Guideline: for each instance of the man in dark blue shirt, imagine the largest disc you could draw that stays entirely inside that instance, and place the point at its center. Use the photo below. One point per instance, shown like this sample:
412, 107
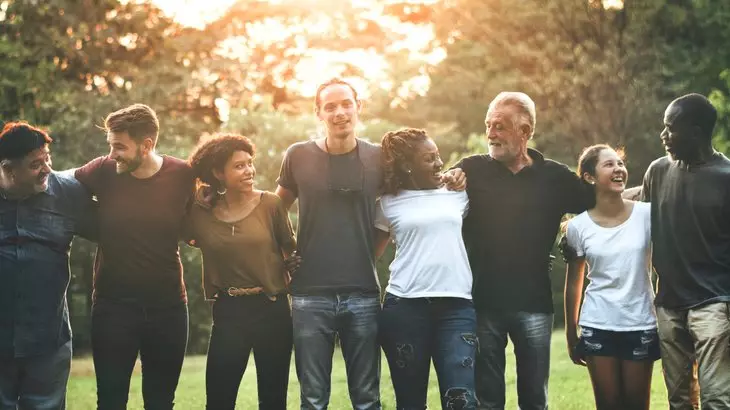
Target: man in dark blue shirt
40, 212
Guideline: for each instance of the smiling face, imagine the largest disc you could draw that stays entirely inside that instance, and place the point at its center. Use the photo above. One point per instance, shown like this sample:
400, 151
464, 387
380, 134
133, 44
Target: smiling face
238, 173
125, 151
338, 110
610, 174
29, 175
506, 133
425, 165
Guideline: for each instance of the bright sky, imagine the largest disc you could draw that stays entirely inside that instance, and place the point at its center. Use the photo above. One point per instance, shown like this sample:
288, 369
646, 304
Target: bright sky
319, 65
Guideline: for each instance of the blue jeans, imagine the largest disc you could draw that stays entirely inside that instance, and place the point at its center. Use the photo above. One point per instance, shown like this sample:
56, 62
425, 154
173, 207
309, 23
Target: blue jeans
37, 382
414, 331
353, 317
122, 330
530, 334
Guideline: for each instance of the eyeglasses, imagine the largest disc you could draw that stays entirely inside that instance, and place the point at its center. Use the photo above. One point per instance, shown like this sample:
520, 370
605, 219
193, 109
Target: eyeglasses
343, 181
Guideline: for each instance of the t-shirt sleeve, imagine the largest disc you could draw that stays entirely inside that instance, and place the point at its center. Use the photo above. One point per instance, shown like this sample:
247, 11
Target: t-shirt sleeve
187, 233
286, 174
575, 195
646, 186
464, 202
381, 222
282, 228
90, 175
85, 209
572, 235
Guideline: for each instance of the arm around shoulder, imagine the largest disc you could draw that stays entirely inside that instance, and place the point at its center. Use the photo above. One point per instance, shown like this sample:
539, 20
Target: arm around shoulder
287, 197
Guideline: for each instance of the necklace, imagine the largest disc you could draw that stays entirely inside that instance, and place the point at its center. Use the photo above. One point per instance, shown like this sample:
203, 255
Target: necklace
246, 205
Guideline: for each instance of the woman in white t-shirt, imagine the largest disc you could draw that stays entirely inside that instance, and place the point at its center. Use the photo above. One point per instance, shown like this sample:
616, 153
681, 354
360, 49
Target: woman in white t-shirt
427, 311
618, 336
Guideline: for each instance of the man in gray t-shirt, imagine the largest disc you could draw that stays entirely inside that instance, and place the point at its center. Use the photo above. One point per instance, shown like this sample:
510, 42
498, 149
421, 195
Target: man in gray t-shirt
689, 191
336, 214
335, 290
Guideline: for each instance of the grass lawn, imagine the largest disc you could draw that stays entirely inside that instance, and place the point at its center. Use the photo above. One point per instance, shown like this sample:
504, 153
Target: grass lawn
570, 387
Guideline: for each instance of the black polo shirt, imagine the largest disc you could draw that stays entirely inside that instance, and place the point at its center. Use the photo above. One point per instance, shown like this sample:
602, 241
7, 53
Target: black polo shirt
511, 228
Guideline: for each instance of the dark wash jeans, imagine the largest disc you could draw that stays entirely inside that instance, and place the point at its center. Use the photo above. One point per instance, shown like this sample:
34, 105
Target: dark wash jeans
242, 324
414, 331
119, 331
530, 334
354, 318
35, 382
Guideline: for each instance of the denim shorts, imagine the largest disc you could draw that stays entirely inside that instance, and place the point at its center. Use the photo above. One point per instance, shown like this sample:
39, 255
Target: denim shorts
634, 345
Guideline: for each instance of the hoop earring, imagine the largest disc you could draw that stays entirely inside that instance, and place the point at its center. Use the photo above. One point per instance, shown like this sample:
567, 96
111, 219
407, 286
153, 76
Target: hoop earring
219, 192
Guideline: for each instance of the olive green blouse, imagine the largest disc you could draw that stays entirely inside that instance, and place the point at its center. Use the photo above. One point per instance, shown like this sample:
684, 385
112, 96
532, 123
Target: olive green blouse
242, 254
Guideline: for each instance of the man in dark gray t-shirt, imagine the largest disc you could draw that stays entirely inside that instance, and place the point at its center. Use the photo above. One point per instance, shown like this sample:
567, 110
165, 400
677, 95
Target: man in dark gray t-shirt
335, 234
689, 191
335, 290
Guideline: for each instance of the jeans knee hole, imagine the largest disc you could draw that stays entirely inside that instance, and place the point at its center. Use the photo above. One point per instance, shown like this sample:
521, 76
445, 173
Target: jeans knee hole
471, 339
457, 398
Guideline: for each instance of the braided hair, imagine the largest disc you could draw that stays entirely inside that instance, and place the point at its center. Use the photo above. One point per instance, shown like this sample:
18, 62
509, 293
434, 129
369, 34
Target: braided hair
398, 148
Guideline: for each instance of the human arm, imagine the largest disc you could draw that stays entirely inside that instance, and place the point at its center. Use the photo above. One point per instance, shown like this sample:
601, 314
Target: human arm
633, 193
574, 255
287, 188
382, 229
287, 196
285, 239
573, 293
454, 179
382, 238
576, 196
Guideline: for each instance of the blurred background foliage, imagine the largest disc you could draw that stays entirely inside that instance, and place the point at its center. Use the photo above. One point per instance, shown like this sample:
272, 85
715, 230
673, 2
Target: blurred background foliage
598, 71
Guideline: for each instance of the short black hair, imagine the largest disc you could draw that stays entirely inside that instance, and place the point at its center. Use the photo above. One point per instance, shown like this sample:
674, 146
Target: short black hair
699, 111
18, 139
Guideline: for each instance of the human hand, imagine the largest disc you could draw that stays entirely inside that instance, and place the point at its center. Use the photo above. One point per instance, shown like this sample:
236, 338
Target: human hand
575, 357
293, 262
454, 179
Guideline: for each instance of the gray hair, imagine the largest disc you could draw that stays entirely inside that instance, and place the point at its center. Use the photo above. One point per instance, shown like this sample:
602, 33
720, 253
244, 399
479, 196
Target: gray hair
519, 100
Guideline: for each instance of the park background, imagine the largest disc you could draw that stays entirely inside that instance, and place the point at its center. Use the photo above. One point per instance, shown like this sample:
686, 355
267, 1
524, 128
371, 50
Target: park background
599, 71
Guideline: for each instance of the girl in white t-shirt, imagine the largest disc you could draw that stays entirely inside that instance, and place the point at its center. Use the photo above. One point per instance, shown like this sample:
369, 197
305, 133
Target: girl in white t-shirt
618, 336
427, 312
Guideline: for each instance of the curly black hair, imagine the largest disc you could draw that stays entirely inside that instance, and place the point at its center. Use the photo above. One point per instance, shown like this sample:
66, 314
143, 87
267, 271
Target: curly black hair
213, 153
398, 147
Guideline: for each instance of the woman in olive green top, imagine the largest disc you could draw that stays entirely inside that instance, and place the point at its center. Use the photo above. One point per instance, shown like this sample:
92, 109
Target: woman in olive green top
244, 235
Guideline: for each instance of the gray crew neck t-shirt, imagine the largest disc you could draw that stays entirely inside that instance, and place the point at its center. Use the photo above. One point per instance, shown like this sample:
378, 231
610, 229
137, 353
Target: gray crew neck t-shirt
690, 230
335, 236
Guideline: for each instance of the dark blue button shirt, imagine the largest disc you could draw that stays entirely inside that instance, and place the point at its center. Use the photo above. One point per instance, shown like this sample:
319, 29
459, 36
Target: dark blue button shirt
35, 239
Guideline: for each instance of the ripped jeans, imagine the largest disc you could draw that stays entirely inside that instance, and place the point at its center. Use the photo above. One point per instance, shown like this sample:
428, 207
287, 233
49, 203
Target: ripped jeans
415, 330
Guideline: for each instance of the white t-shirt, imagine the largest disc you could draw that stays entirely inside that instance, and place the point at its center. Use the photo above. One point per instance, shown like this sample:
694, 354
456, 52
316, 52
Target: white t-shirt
430, 257
620, 296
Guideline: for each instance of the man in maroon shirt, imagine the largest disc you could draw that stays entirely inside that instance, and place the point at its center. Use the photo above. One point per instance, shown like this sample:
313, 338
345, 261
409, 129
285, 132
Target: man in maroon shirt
140, 304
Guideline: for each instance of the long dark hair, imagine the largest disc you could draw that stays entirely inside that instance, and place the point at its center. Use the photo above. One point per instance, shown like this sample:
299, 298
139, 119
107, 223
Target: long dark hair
398, 147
